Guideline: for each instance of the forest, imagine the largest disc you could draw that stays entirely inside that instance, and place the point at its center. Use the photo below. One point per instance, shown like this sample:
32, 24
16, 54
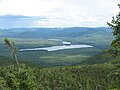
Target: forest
96, 68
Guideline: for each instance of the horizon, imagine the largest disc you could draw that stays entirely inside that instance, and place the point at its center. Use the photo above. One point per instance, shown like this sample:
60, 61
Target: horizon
56, 13
52, 27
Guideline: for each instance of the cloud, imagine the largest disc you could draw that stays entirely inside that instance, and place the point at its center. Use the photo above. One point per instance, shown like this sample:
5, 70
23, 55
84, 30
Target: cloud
27, 7
10, 21
58, 13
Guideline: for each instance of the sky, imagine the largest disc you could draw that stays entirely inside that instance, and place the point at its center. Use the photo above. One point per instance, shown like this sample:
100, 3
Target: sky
56, 13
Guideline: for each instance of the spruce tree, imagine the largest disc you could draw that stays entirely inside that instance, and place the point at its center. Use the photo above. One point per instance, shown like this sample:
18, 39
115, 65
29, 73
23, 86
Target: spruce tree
11, 46
115, 26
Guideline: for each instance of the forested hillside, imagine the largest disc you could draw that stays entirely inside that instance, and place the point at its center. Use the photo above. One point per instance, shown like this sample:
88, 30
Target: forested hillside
71, 32
100, 38
102, 76
91, 77
96, 68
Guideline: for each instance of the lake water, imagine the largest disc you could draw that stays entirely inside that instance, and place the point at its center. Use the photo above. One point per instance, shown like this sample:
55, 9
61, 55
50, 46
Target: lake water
55, 48
66, 45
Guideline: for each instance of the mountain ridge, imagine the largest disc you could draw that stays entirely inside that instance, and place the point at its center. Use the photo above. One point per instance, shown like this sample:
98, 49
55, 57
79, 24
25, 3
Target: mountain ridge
52, 32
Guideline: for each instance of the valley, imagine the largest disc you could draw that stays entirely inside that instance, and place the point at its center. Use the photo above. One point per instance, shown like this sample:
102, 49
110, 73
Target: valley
33, 44
59, 45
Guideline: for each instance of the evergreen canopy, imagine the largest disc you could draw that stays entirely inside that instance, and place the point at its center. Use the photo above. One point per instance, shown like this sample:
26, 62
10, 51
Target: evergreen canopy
115, 25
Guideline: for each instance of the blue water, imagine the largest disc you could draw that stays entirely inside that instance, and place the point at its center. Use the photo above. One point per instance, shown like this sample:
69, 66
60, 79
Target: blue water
55, 48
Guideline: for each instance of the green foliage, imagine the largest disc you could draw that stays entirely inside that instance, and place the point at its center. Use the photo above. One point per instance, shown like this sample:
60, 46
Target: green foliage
58, 58
99, 38
91, 77
14, 78
115, 25
12, 48
99, 58
86, 77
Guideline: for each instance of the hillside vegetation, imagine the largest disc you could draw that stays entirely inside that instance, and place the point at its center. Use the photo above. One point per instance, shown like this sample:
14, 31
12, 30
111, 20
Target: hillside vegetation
89, 70
100, 38
93, 77
101, 76
98, 70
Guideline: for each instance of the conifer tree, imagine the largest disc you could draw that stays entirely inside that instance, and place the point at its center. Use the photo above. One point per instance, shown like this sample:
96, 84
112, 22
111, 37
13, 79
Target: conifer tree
13, 49
115, 26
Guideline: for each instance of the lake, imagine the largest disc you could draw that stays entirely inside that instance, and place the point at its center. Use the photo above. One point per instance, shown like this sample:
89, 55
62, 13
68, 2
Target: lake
66, 45
55, 48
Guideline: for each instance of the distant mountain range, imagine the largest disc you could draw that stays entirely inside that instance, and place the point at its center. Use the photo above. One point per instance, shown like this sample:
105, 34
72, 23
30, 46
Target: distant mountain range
54, 32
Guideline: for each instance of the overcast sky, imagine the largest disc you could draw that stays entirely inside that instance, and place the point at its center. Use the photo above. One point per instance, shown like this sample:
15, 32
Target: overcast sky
56, 13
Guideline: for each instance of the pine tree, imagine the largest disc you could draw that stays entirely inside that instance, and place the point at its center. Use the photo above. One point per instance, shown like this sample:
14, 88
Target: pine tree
115, 26
13, 49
